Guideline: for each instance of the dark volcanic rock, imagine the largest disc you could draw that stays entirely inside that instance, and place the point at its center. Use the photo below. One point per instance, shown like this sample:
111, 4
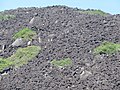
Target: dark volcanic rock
64, 32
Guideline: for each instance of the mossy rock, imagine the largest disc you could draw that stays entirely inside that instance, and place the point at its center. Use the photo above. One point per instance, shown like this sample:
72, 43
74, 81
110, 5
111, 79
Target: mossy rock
107, 48
26, 34
21, 57
62, 63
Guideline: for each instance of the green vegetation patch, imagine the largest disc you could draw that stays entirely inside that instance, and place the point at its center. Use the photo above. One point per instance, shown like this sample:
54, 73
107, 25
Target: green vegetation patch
107, 48
6, 17
62, 63
4, 64
94, 12
25, 34
21, 57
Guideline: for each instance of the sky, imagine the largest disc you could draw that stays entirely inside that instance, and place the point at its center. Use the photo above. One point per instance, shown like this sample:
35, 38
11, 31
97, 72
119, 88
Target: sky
109, 6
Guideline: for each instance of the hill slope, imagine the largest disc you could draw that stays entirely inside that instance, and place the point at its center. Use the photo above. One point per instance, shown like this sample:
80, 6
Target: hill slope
63, 32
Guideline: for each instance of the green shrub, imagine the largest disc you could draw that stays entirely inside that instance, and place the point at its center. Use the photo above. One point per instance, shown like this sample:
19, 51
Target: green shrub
4, 64
25, 34
6, 17
107, 47
62, 63
21, 57
94, 12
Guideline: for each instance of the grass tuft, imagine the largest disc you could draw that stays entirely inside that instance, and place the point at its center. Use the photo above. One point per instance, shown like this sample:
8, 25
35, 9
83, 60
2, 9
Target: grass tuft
107, 48
62, 63
21, 57
25, 34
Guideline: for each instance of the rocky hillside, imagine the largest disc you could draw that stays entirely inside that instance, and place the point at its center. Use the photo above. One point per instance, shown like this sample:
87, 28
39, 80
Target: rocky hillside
59, 48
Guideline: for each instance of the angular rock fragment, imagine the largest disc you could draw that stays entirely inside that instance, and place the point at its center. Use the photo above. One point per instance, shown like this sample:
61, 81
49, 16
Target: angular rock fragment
29, 43
32, 20
39, 40
17, 42
3, 47
85, 74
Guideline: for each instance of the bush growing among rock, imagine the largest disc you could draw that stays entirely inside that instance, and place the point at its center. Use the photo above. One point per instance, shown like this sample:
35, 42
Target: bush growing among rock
62, 63
94, 12
4, 64
107, 48
25, 34
6, 17
21, 57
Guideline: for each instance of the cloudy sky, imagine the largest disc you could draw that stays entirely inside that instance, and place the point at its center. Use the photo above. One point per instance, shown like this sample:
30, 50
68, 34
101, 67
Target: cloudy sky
110, 6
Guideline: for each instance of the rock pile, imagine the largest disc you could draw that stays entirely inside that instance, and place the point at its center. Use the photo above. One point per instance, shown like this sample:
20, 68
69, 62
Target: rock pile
63, 32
